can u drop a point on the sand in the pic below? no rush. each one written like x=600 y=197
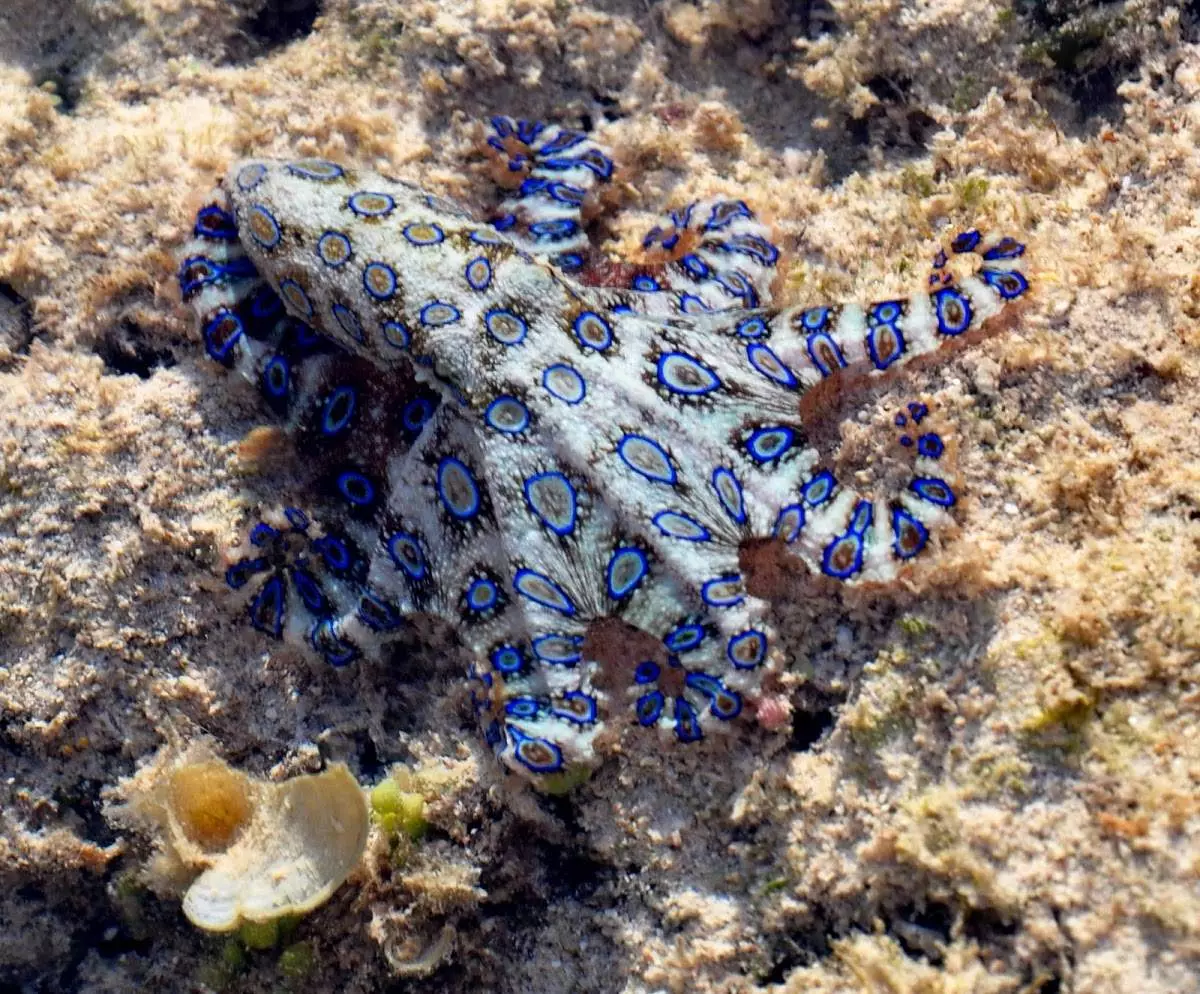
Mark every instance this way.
x=991 y=779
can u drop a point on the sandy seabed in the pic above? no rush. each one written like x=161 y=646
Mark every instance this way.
x=991 y=782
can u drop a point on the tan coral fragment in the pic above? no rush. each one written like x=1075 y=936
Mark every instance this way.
x=265 y=849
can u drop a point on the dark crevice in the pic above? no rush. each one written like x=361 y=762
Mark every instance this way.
x=809 y=728
x=16 y=321
x=280 y=22
x=63 y=82
x=124 y=352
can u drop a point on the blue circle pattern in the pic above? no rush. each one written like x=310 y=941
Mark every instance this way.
x=552 y=498
x=508 y=415
x=457 y=489
x=593 y=331
x=686 y=375
x=565 y=383
x=627 y=568
x=648 y=459
x=540 y=589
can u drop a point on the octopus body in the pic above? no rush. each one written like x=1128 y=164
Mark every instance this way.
x=521 y=453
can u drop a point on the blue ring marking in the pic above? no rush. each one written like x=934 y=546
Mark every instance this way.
x=334 y=249
x=966 y=241
x=276 y=375
x=379 y=280
x=689 y=303
x=592 y=331
x=738 y=286
x=331 y=421
x=296 y=518
x=815 y=318
x=684 y=374
x=687 y=722
x=569 y=262
x=1007 y=248
x=482 y=594
x=305 y=337
x=755 y=246
x=819 y=489
x=747 y=650
x=676 y=524
x=437 y=313
x=647 y=671
x=768 y=443
x=931 y=446
x=1009 y=283
x=478 y=273
x=417 y=413
x=293 y=293
x=554 y=229
x=526 y=750
x=729 y=492
x=563 y=382
x=396 y=335
x=627 y=568
x=377 y=614
x=843 y=557
x=552 y=498
x=270 y=235
x=268 y=607
x=765 y=361
x=789 y=523
x=507 y=414
x=933 y=490
x=526 y=708
x=752 y=327
x=505 y=223
x=215 y=223
x=911 y=534
x=645 y=284
x=197 y=271
x=722 y=702
x=695 y=267
x=505 y=327
x=507 y=659
x=484 y=237
x=884 y=312
x=723 y=591
x=365 y=203
x=558 y=650
x=422 y=234
x=405 y=550
x=647 y=458
x=309 y=591
x=684 y=637
x=587 y=712
x=348 y=321
x=725 y=211
x=892 y=340
x=238 y=575
x=321 y=170
x=221 y=333
x=325 y=639
x=953 y=310
x=248 y=177
x=452 y=474
x=540 y=589
x=356 y=488
x=334 y=552
x=649 y=708
x=825 y=353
